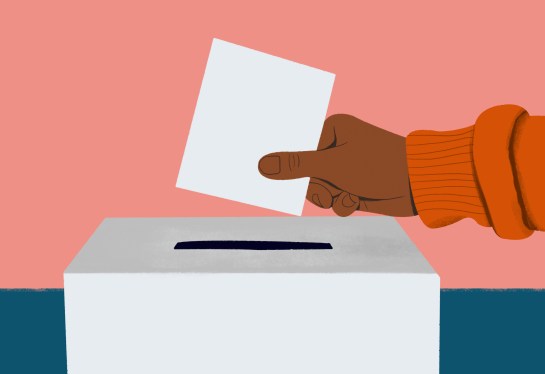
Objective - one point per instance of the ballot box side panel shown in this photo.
(252, 323)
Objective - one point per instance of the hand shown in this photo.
(357, 166)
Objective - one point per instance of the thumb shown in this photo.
(291, 165)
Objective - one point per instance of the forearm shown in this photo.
(486, 172)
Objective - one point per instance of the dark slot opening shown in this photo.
(251, 245)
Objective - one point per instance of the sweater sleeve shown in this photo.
(490, 172)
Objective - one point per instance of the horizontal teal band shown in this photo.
(482, 331)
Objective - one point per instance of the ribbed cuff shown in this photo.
(443, 179)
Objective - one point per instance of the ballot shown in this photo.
(286, 295)
(250, 104)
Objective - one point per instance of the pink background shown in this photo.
(96, 100)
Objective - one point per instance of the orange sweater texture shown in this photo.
(493, 172)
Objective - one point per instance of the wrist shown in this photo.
(442, 176)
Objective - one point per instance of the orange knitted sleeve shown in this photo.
(491, 172)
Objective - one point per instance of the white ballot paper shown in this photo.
(251, 104)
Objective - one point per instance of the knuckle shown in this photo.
(336, 118)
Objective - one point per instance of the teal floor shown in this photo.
(482, 331)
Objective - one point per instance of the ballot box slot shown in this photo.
(252, 245)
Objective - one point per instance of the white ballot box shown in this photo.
(281, 295)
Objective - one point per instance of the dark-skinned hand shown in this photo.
(357, 166)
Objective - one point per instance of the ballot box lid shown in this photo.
(250, 245)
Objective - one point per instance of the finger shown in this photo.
(345, 204)
(292, 165)
(327, 138)
(321, 193)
